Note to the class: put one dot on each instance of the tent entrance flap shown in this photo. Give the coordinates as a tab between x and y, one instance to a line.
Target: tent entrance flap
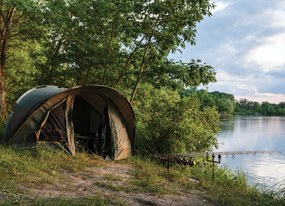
121	142
91	132
54	126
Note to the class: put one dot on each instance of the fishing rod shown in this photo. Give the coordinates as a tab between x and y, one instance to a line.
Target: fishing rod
187	158
211	153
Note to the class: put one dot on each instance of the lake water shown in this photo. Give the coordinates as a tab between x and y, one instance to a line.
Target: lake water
255	133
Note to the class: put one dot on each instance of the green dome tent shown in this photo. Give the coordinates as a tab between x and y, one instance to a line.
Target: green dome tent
97	118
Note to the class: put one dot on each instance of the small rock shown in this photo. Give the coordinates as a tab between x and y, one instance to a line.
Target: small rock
81	189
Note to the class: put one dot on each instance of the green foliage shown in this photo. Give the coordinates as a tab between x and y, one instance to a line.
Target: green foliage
21	70
180	75
245	106
19	26
227	105
223	102
117	43
123	44
168	123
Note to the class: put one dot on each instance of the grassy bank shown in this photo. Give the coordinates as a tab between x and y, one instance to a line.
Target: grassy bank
35	169
228	188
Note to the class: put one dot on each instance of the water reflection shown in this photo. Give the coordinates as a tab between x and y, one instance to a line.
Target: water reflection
255	133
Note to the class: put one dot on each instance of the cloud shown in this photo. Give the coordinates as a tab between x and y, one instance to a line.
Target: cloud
255	87
275	14
270	54
244	41
263	97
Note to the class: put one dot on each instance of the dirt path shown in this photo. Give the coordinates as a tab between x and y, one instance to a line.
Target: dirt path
112	180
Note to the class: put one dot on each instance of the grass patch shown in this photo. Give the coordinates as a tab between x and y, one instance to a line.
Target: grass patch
112	178
149	177
232	189
154	178
111	186
34	166
92	201
227	189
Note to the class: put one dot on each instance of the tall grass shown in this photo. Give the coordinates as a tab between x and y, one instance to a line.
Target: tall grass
35	165
232	188
227	189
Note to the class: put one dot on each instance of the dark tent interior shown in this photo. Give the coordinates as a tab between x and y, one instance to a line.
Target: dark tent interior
91	127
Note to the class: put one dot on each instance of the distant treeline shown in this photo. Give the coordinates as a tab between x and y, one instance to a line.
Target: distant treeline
227	105
223	102
245	106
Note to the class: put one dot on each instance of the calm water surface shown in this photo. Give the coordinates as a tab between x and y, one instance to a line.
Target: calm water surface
255	133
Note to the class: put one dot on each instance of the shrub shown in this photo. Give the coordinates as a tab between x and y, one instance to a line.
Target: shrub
168	123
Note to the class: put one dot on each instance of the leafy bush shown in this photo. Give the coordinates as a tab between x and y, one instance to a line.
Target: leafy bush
168	123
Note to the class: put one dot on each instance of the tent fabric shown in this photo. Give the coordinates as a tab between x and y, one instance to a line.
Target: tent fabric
119	132
55	128
95	117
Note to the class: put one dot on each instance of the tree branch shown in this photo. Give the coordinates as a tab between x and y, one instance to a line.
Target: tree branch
143	59
128	61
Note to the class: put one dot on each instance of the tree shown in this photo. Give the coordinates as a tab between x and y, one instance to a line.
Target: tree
17	20
21	71
7	13
166	26
223	102
85	40
244	106
118	43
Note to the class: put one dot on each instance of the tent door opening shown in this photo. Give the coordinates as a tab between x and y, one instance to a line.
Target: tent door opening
91	128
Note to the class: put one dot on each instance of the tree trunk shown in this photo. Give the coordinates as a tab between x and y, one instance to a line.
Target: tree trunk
6	24
3	105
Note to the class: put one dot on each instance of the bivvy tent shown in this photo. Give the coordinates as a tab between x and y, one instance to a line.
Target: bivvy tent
96	118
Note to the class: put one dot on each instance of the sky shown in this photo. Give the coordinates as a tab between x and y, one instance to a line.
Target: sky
244	40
